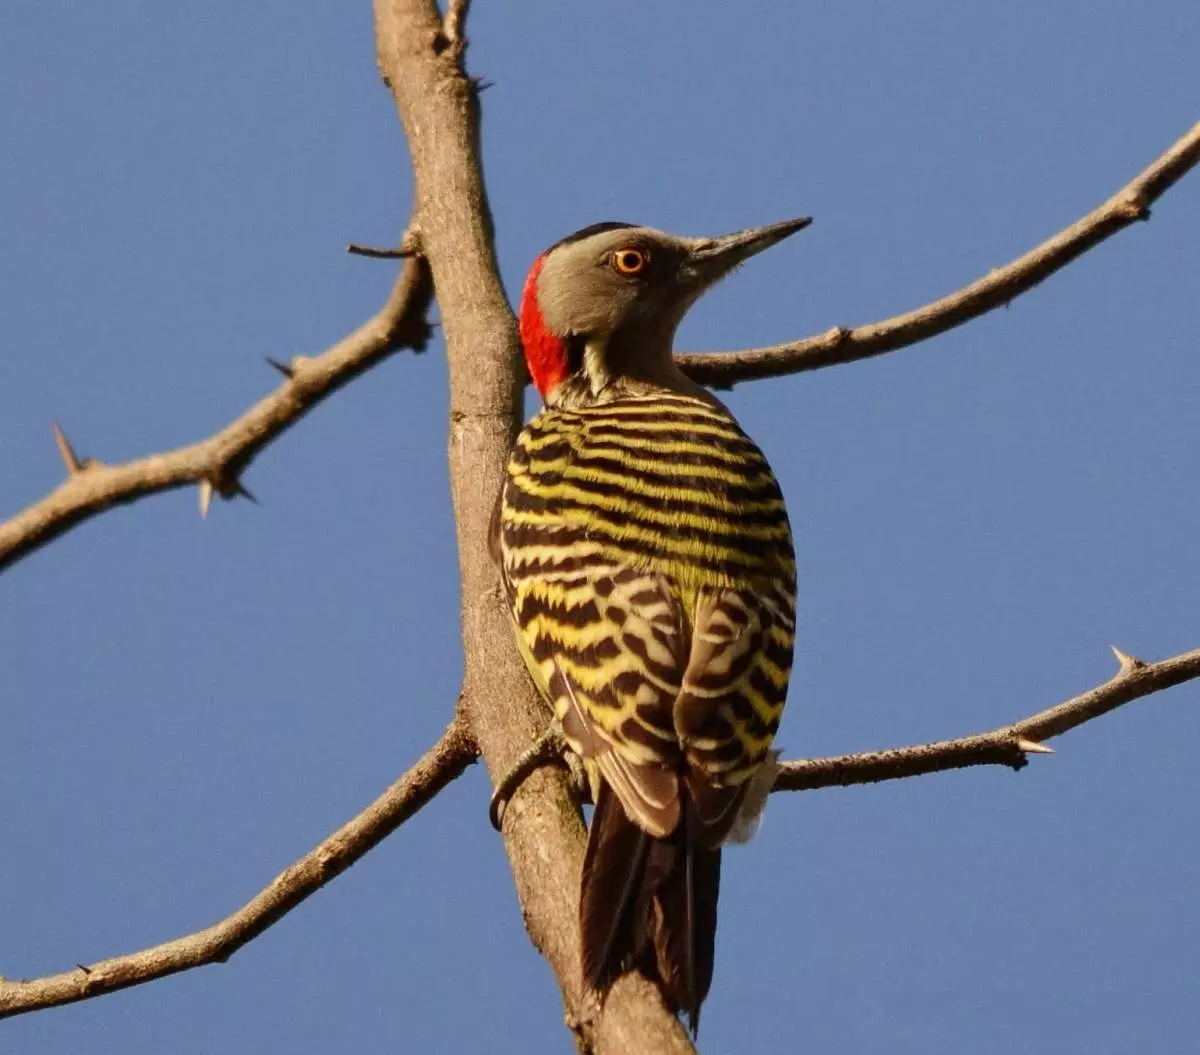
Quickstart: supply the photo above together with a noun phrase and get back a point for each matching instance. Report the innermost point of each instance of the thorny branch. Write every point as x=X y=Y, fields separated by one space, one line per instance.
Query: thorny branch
x=1007 y=746
x=217 y=463
x=456 y=750
x=997 y=288
x=442 y=763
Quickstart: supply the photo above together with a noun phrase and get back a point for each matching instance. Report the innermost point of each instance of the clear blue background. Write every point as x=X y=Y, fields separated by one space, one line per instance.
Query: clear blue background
x=188 y=706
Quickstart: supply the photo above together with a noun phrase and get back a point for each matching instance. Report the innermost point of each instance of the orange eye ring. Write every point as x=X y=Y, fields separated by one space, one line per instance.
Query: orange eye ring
x=630 y=261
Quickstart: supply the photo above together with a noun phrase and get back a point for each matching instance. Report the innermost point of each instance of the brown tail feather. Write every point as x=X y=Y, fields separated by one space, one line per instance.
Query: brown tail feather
x=613 y=873
x=684 y=918
x=651 y=904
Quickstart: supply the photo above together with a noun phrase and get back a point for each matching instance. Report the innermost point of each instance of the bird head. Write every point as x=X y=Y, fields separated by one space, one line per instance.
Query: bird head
x=605 y=301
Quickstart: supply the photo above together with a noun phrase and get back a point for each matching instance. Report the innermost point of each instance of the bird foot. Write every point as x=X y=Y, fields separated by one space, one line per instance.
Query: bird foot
x=549 y=748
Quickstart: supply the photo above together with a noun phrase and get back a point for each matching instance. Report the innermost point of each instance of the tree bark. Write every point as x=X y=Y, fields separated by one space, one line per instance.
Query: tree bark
x=543 y=831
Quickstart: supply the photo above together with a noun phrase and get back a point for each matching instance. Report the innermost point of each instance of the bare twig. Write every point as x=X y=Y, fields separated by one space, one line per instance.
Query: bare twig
x=218 y=462
x=999 y=287
x=543 y=834
x=377 y=253
x=454 y=25
x=1007 y=746
x=410 y=245
x=441 y=764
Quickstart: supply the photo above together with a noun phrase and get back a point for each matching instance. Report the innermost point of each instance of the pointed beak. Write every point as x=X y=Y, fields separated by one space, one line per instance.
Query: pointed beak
x=710 y=258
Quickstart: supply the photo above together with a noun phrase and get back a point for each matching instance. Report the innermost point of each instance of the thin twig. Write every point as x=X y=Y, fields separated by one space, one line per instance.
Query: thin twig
x=377 y=253
x=441 y=764
x=999 y=287
x=410 y=245
x=217 y=463
x=454 y=25
x=1007 y=746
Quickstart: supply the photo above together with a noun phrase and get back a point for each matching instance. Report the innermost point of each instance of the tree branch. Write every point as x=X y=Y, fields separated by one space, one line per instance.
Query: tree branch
x=543 y=834
x=999 y=287
x=439 y=766
x=1007 y=746
x=454 y=25
x=216 y=464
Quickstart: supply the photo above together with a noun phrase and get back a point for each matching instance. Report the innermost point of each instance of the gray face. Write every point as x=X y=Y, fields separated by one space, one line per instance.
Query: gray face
x=638 y=280
x=629 y=277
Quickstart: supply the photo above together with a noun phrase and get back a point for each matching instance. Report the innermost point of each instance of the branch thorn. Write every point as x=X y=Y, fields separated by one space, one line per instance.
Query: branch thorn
x=226 y=486
x=1128 y=663
x=206 y=493
x=1033 y=747
x=283 y=368
x=70 y=459
x=224 y=483
x=238 y=488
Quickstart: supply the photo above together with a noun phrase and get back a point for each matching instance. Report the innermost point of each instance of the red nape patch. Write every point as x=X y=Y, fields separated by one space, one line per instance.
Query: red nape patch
x=545 y=352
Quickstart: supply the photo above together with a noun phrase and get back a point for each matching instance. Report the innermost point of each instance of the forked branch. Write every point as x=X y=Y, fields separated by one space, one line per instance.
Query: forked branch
x=439 y=105
x=1007 y=746
x=997 y=288
x=440 y=765
x=217 y=463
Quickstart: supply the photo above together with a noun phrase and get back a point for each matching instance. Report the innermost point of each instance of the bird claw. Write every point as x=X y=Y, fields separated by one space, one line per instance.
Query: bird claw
x=549 y=748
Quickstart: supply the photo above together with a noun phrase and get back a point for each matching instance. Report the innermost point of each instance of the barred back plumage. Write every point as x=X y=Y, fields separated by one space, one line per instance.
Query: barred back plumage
x=648 y=559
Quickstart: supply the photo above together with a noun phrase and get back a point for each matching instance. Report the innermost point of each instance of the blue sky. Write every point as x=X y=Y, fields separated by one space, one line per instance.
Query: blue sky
x=188 y=706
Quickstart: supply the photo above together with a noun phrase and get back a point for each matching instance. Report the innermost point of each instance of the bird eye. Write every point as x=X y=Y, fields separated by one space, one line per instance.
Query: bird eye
x=630 y=261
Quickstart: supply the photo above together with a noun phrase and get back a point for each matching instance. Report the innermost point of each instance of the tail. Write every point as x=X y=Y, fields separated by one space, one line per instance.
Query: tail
x=649 y=904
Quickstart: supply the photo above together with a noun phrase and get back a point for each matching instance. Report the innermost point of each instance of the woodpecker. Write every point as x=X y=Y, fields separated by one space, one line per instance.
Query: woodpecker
x=647 y=558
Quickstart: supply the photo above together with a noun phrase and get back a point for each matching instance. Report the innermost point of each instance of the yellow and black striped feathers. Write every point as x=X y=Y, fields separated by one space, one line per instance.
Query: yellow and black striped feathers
x=647 y=557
